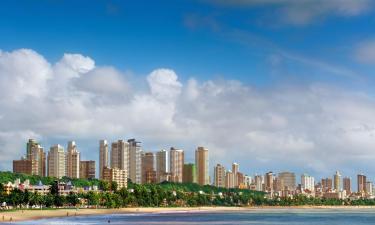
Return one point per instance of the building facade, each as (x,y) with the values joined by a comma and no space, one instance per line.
(190,173)
(148,170)
(135,161)
(120,155)
(202,165)
(87,169)
(103,157)
(115,175)
(176,164)
(219,176)
(161,165)
(56,162)
(72,160)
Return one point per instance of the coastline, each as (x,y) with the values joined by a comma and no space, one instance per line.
(26,215)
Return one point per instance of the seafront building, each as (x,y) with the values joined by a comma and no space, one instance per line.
(87,169)
(190,173)
(103,157)
(202,166)
(135,161)
(56,162)
(219,176)
(148,168)
(162,166)
(72,160)
(176,164)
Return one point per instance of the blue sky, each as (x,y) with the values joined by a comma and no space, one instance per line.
(284,77)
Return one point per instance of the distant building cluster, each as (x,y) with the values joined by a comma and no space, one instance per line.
(122,160)
(119,161)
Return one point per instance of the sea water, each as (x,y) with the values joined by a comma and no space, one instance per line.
(264,217)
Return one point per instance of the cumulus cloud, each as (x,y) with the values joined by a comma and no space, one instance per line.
(302,12)
(314,127)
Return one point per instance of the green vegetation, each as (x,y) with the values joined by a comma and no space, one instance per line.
(6,177)
(153,195)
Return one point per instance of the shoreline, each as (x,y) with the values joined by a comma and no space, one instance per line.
(35,214)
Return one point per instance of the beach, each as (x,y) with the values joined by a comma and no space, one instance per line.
(25,215)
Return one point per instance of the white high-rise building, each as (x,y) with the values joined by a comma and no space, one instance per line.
(259,181)
(103,157)
(135,161)
(56,162)
(307,182)
(72,160)
(176,164)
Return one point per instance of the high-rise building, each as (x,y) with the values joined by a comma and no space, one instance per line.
(56,162)
(269,181)
(369,188)
(148,169)
(219,176)
(135,161)
(287,180)
(337,181)
(235,170)
(176,162)
(161,165)
(347,184)
(229,179)
(115,175)
(258,180)
(190,173)
(72,160)
(361,183)
(201,162)
(120,155)
(327,184)
(103,157)
(36,153)
(23,166)
(240,180)
(307,182)
(87,169)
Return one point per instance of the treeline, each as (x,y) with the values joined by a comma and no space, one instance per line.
(6,177)
(150,195)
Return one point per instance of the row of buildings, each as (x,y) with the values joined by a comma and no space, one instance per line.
(119,161)
(57,163)
(122,160)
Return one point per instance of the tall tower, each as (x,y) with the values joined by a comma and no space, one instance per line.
(103,157)
(135,161)
(161,165)
(361,183)
(176,164)
(337,181)
(202,163)
(148,170)
(219,176)
(72,160)
(269,181)
(235,170)
(36,154)
(347,185)
(120,155)
(56,162)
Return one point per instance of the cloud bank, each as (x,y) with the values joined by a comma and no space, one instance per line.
(313,128)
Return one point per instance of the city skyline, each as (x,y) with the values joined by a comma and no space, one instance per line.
(281,85)
(159,166)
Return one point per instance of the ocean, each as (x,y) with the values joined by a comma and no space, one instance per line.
(263,217)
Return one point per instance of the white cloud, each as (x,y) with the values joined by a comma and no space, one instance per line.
(315,127)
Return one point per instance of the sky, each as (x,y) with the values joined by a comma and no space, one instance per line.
(275,85)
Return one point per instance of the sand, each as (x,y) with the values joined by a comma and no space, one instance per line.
(22,215)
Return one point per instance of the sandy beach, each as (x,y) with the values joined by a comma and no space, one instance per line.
(23,215)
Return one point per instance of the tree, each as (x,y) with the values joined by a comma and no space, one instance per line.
(72,199)
(114,186)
